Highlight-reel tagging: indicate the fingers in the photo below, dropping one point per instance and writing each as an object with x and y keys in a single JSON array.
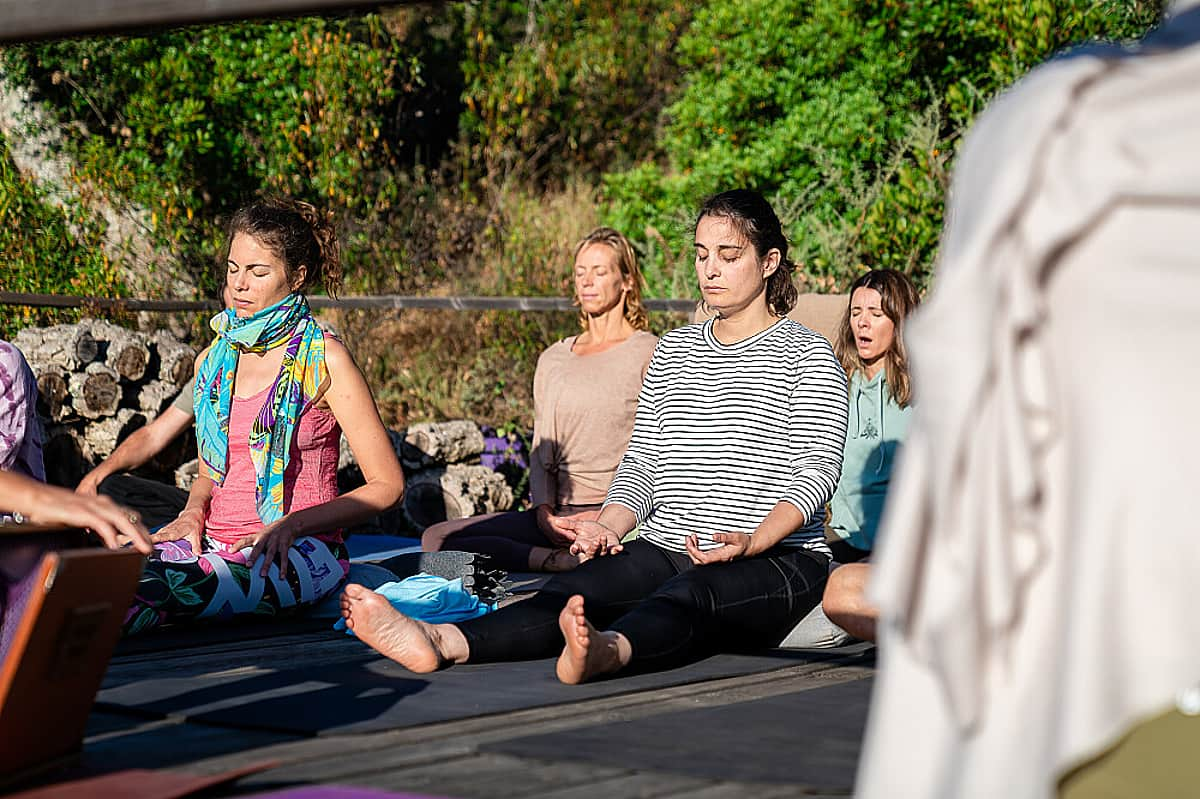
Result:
[
  {"x": 246, "y": 541},
  {"x": 112, "y": 522},
  {"x": 137, "y": 534},
  {"x": 282, "y": 553},
  {"x": 564, "y": 527},
  {"x": 260, "y": 545},
  {"x": 164, "y": 535}
]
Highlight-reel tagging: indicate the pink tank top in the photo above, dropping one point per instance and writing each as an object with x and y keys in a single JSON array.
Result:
[{"x": 310, "y": 479}]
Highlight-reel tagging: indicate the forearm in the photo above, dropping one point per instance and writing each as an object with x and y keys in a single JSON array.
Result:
[
  {"x": 132, "y": 453},
  {"x": 347, "y": 510},
  {"x": 618, "y": 518},
  {"x": 783, "y": 520},
  {"x": 543, "y": 484},
  {"x": 21, "y": 494},
  {"x": 199, "y": 495}
]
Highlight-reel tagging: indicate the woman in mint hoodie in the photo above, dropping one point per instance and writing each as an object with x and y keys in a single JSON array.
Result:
[{"x": 870, "y": 347}]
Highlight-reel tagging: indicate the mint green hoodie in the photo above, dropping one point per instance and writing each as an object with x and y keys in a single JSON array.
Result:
[{"x": 877, "y": 427}]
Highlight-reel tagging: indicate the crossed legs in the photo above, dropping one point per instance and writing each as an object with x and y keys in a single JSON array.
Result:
[{"x": 647, "y": 608}]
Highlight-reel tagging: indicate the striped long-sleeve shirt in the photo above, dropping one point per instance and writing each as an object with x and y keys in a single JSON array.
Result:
[{"x": 723, "y": 433}]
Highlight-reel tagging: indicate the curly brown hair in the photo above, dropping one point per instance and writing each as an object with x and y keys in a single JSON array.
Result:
[{"x": 296, "y": 231}]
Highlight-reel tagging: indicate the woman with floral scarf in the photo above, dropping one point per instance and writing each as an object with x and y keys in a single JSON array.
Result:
[{"x": 261, "y": 532}]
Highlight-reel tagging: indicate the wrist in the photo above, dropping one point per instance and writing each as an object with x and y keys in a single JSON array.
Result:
[
  {"x": 193, "y": 513},
  {"x": 753, "y": 545}
]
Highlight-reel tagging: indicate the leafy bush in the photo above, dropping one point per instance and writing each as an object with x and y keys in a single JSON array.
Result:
[
  {"x": 46, "y": 250},
  {"x": 192, "y": 123},
  {"x": 827, "y": 106},
  {"x": 559, "y": 88}
]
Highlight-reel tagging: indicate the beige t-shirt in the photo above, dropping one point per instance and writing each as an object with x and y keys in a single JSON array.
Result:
[{"x": 583, "y": 416}]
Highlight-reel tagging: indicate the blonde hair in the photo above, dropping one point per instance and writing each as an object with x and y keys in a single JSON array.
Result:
[
  {"x": 634, "y": 310},
  {"x": 899, "y": 298}
]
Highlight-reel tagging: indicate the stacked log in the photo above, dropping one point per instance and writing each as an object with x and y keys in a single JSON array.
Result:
[{"x": 97, "y": 383}]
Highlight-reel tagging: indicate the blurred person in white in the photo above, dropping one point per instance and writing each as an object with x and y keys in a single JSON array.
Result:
[{"x": 1038, "y": 560}]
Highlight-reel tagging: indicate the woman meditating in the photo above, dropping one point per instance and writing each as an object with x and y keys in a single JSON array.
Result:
[
  {"x": 736, "y": 448},
  {"x": 261, "y": 531},
  {"x": 579, "y": 434},
  {"x": 870, "y": 347}
]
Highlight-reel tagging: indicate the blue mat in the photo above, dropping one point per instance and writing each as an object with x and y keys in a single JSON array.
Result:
[{"x": 379, "y": 547}]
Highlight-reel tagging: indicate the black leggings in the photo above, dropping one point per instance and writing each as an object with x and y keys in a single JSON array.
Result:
[
  {"x": 671, "y": 611},
  {"x": 507, "y": 537}
]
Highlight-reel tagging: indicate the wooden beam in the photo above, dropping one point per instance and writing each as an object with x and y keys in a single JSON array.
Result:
[{"x": 25, "y": 20}]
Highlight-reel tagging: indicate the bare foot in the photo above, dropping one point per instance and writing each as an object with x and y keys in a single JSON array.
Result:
[
  {"x": 558, "y": 560},
  {"x": 588, "y": 652},
  {"x": 411, "y": 643}
]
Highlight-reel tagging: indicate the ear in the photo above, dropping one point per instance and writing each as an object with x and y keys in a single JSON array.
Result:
[
  {"x": 299, "y": 275},
  {"x": 770, "y": 262}
]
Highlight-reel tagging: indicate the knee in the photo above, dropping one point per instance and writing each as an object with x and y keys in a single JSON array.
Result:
[
  {"x": 686, "y": 594},
  {"x": 435, "y": 536},
  {"x": 845, "y": 592},
  {"x": 845, "y": 601}
]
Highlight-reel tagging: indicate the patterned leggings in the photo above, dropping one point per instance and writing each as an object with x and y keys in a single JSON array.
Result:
[{"x": 178, "y": 585}]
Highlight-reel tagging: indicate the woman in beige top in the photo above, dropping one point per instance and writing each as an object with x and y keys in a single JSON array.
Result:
[{"x": 579, "y": 433}]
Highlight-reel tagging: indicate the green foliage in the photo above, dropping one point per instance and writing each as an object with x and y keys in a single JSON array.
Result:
[
  {"x": 827, "y": 107},
  {"x": 192, "y": 123},
  {"x": 558, "y": 88},
  {"x": 466, "y": 146},
  {"x": 46, "y": 250}
]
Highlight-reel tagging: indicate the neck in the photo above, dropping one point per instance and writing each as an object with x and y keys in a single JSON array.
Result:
[
  {"x": 874, "y": 368},
  {"x": 609, "y": 326},
  {"x": 730, "y": 327}
]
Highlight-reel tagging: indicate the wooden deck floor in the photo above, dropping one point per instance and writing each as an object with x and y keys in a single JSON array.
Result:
[{"x": 475, "y": 756}]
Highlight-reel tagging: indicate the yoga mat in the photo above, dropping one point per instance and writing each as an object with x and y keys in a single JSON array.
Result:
[
  {"x": 364, "y": 547},
  {"x": 810, "y": 738},
  {"x": 221, "y": 633},
  {"x": 340, "y": 687}
]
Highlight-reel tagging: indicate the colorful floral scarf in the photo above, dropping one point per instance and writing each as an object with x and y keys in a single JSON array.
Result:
[{"x": 289, "y": 322}]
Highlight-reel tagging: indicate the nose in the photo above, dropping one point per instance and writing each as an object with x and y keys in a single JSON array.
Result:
[{"x": 236, "y": 280}]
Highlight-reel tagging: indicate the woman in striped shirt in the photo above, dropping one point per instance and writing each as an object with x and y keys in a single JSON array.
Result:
[{"x": 736, "y": 448}]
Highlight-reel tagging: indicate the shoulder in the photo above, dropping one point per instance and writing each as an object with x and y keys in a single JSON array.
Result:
[
  {"x": 678, "y": 344},
  {"x": 201, "y": 358},
  {"x": 641, "y": 345},
  {"x": 11, "y": 356},
  {"x": 337, "y": 358},
  {"x": 14, "y": 371},
  {"x": 556, "y": 351},
  {"x": 804, "y": 341},
  {"x": 558, "y": 348},
  {"x": 686, "y": 336}
]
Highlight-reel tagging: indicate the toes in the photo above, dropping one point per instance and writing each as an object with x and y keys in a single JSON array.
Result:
[{"x": 354, "y": 591}]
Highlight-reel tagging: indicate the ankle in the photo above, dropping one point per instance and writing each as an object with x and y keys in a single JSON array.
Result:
[
  {"x": 449, "y": 643},
  {"x": 622, "y": 650},
  {"x": 538, "y": 557}
]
